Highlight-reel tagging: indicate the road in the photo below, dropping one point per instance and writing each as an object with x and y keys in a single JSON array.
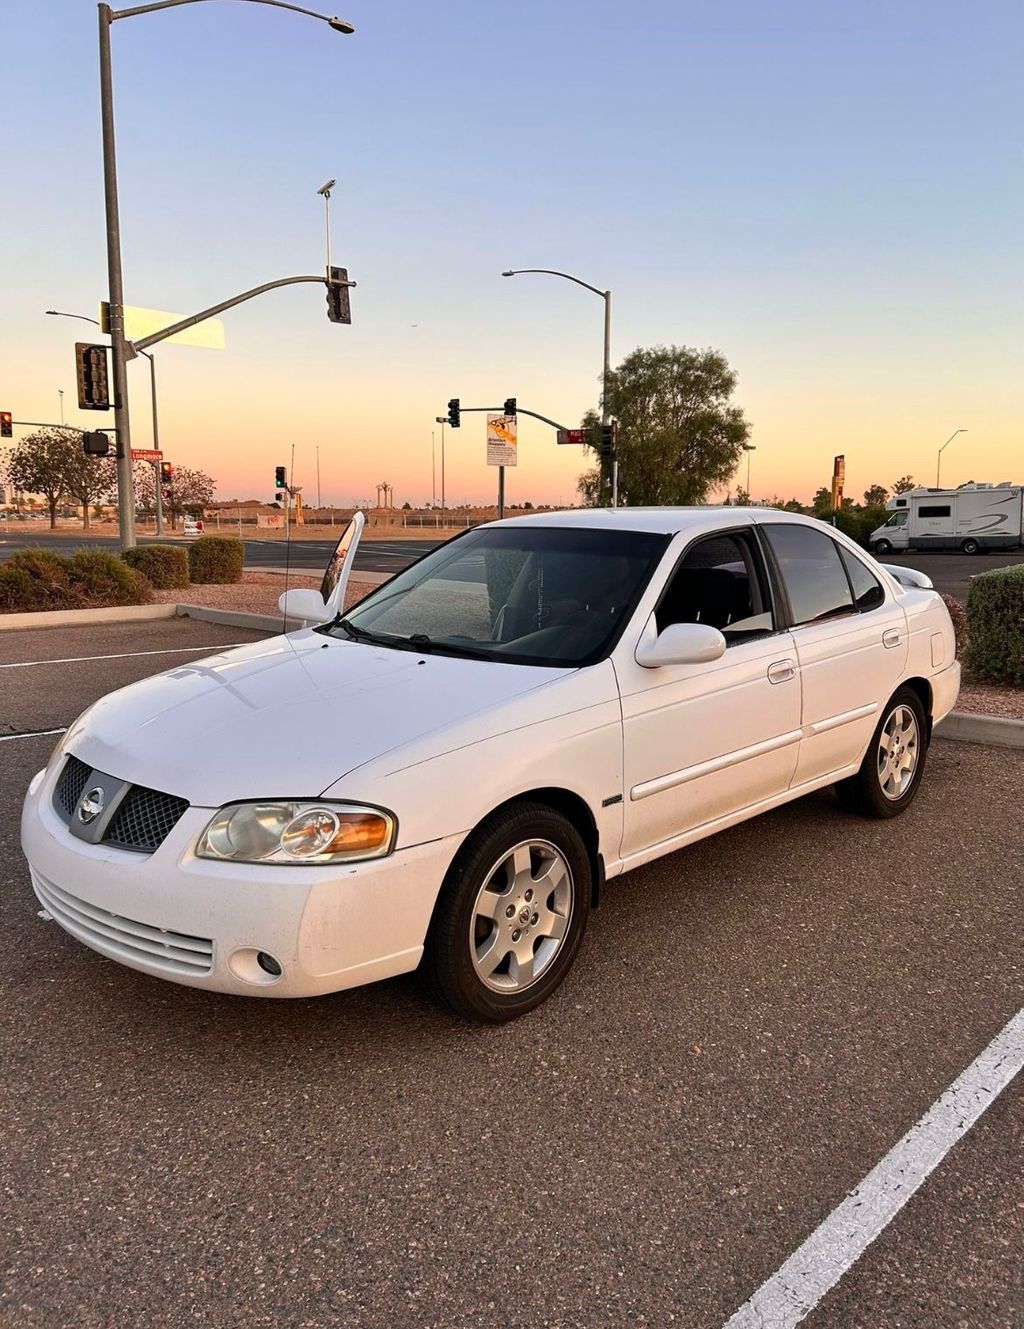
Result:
[
  {"x": 752, "y": 1024},
  {"x": 951, "y": 573}
]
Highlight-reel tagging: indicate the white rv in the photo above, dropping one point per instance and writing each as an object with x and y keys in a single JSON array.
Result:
[{"x": 972, "y": 518}]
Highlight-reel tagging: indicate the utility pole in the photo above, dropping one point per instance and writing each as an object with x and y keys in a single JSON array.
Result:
[{"x": 442, "y": 420}]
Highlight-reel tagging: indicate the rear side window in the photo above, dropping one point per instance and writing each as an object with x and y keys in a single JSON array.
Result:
[
  {"x": 934, "y": 510},
  {"x": 867, "y": 590},
  {"x": 812, "y": 572}
]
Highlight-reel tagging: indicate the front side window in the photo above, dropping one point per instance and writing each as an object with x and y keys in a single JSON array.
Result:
[
  {"x": 720, "y": 581},
  {"x": 898, "y": 519},
  {"x": 812, "y": 572},
  {"x": 521, "y": 594}
]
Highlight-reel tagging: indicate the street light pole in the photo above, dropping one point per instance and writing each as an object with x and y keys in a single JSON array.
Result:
[
  {"x": 748, "y": 448},
  {"x": 120, "y": 349},
  {"x": 607, "y": 480},
  {"x": 938, "y": 463},
  {"x": 442, "y": 420}
]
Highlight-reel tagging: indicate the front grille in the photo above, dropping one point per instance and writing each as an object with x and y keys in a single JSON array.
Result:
[
  {"x": 144, "y": 819},
  {"x": 71, "y": 784},
  {"x": 124, "y": 938}
]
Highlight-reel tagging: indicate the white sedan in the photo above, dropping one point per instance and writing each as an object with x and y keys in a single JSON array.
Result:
[{"x": 445, "y": 776}]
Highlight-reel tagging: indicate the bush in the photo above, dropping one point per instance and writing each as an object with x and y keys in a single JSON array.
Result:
[
  {"x": 959, "y": 616},
  {"x": 166, "y": 566},
  {"x": 37, "y": 580},
  {"x": 995, "y": 624},
  {"x": 216, "y": 558}
]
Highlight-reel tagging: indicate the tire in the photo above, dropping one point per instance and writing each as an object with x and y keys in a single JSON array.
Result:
[
  {"x": 508, "y": 857},
  {"x": 882, "y": 788},
  {"x": 970, "y": 546},
  {"x": 883, "y": 547}
]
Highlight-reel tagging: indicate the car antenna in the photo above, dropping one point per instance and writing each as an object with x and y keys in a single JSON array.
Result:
[{"x": 288, "y": 494}]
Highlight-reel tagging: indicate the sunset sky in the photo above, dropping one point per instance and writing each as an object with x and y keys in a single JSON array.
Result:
[{"x": 831, "y": 194}]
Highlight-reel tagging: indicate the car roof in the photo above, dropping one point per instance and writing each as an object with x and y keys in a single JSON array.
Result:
[{"x": 659, "y": 521}]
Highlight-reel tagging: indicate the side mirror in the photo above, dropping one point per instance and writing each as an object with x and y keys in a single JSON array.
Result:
[
  {"x": 681, "y": 644},
  {"x": 304, "y": 604}
]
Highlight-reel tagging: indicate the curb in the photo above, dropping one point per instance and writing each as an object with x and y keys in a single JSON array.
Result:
[
  {"x": 56, "y": 618},
  {"x": 235, "y": 618},
  {"x": 994, "y": 730}
]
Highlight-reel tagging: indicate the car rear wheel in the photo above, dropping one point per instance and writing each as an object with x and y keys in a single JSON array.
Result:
[
  {"x": 970, "y": 546},
  {"x": 511, "y": 915},
  {"x": 890, "y": 774}
]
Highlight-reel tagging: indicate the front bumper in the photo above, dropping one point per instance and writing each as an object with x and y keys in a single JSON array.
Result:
[{"x": 203, "y": 923}]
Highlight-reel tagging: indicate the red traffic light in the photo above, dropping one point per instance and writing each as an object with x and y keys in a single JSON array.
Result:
[
  {"x": 6, "y": 424},
  {"x": 166, "y": 472}
]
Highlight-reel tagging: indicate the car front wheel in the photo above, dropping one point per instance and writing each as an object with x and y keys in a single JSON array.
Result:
[
  {"x": 511, "y": 915},
  {"x": 890, "y": 774},
  {"x": 883, "y": 547}
]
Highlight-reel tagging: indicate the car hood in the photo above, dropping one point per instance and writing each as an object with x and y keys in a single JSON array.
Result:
[{"x": 287, "y": 717}]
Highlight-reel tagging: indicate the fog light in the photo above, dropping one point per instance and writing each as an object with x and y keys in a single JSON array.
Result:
[{"x": 268, "y": 964}]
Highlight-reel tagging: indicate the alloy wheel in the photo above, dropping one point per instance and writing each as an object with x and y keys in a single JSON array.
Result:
[
  {"x": 521, "y": 916},
  {"x": 899, "y": 750}
]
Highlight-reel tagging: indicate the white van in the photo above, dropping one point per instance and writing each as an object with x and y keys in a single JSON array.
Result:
[{"x": 971, "y": 518}]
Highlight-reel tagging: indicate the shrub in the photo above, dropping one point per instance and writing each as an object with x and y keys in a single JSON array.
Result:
[
  {"x": 101, "y": 579},
  {"x": 37, "y": 580},
  {"x": 959, "y": 616},
  {"x": 995, "y": 624},
  {"x": 216, "y": 558},
  {"x": 166, "y": 566}
]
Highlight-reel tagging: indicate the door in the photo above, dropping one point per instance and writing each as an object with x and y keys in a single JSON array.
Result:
[
  {"x": 851, "y": 644},
  {"x": 701, "y": 742}
]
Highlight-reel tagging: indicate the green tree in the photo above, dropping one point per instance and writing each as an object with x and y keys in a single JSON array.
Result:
[
  {"x": 792, "y": 505},
  {"x": 875, "y": 496},
  {"x": 88, "y": 479},
  {"x": 903, "y": 485},
  {"x": 679, "y": 435},
  {"x": 37, "y": 464},
  {"x": 191, "y": 491},
  {"x": 822, "y": 501}
]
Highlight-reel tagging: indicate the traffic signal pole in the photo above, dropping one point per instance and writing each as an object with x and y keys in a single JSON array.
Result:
[{"x": 122, "y": 421}]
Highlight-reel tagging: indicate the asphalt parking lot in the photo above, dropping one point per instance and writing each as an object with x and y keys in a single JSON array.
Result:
[{"x": 752, "y": 1025}]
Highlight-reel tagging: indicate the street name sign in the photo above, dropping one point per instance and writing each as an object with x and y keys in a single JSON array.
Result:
[
  {"x": 502, "y": 440},
  {"x": 147, "y": 454}
]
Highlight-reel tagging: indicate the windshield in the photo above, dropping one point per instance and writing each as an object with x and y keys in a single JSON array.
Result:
[{"x": 521, "y": 594}]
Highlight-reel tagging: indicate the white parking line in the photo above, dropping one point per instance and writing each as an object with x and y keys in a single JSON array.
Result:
[
  {"x": 35, "y": 733},
  {"x": 816, "y": 1266},
  {"x": 210, "y": 649}
]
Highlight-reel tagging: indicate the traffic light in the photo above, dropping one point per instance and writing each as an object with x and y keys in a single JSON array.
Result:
[
  {"x": 6, "y": 424},
  {"x": 166, "y": 473},
  {"x": 280, "y": 478},
  {"x": 454, "y": 418},
  {"x": 95, "y": 443},
  {"x": 93, "y": 384},
  {"x": 510, "y": 406},
  {"x": 339, "y": 306},
  {"x": 606, "y": 441}
]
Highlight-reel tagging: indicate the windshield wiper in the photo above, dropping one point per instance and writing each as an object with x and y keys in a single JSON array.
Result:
[{"x": 357, "y": 633}]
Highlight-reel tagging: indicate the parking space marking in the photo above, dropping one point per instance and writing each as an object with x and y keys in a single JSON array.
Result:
[
  {"x": 33, "y": 733},
  {"x": 209, "y": 648},
  {"x": 793, "y": 1292}
]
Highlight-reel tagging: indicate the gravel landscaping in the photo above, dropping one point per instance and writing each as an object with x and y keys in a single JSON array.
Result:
[{"x": 256, "y": 593}]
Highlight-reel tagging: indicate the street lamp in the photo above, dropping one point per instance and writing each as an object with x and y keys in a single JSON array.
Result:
[
  {"x": 938, "y": 463},
  {"x": 442, "y": 420},
  {"x": 606, "y": 296},
  {"x": 61, "y": 313},
  {"x": 748, "y": 448},
  {"x": 120, "y": 351}
]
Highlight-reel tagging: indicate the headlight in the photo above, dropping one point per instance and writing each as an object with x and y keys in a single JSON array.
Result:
[{"x": 299, "y": 832}]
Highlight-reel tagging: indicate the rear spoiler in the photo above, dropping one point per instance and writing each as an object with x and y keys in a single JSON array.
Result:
[{"x": 909, "y": 577}]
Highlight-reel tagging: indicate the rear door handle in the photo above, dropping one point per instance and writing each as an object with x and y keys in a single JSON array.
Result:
[
  {"x": 891, "y": 638},
  {"x": 781, "y": 671}
]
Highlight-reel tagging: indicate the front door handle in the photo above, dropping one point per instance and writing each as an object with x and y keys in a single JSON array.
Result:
[
  {"x": 781, "y": 671},
  {"x": 891, "y": 638}
]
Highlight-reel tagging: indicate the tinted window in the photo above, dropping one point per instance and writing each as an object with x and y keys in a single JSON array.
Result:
[
  {"x": 720, "y": 581},
  {"x": 934, "y": 510},
  {"x": 811, "y": 570},
  {"x": 522, "y": 594},
  {"x": 867, "y": 591}
]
